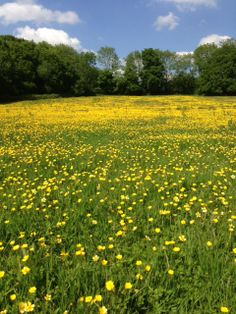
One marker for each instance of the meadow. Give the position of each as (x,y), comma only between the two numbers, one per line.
(118,205)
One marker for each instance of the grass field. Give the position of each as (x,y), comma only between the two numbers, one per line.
(118,205)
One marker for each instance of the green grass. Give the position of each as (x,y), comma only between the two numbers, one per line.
(68,186)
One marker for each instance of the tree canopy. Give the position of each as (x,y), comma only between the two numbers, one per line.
(30,68)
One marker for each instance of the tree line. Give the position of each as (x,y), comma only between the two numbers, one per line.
(29,68)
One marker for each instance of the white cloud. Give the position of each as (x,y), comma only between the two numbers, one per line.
(50,35)
(190,4)
(30,11)
(213,39)
(170,21)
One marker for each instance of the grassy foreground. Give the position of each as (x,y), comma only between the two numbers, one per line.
(118,205)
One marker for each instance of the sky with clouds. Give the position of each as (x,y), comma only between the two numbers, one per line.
(126,25)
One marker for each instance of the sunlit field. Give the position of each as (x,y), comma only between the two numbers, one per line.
(119,205)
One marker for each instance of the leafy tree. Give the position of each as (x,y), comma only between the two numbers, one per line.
(132,73)
(6,66)
(180,72)
(50,70)
(203,54)
(26,67)
(68,58)
(184,78)
(217,69)
(183,83)
(168,58)
(153,73)
(105,82)
(120,85)
(108,59)
(87,74)
(18,62)
(63,70)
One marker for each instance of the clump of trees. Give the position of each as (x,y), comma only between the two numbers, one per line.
(30,68)
(216,68)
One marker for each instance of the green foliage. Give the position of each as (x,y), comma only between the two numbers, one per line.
(87,74)
(105,82)
(28,68)
(133,72)
(183,83)
(108,59)
(18,62)
(50,70)
(217,69)
(153,73)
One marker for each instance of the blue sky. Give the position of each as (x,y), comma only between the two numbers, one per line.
(126,25)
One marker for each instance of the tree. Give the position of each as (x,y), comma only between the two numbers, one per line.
(202,55)
(18,62)
(153,73)
(50,70)
(108,59)
(180,72)
(68,58)
(217,69)
(87,74)
(27,67)
(132,73)
(184,78)
(105,82)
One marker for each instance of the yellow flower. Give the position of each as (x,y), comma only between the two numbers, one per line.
(171,272)
(26,307)
(16,247)
(88,299)
(176,249)
(25,258)
(128,285)
(2,274)
(104,262)
(22,307)
(110,285)
(157,230)
(101,248)
(48,297)
(119,233)
(102,310)
(29,307)
(119,257)
(148,268)
(182,238)
(13,297)
(234,250)
(139,277)
(169,242)
(209,243)
(138,263)
(32,290)
(25,270)
(224,309)
(95,258)
(98,298)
